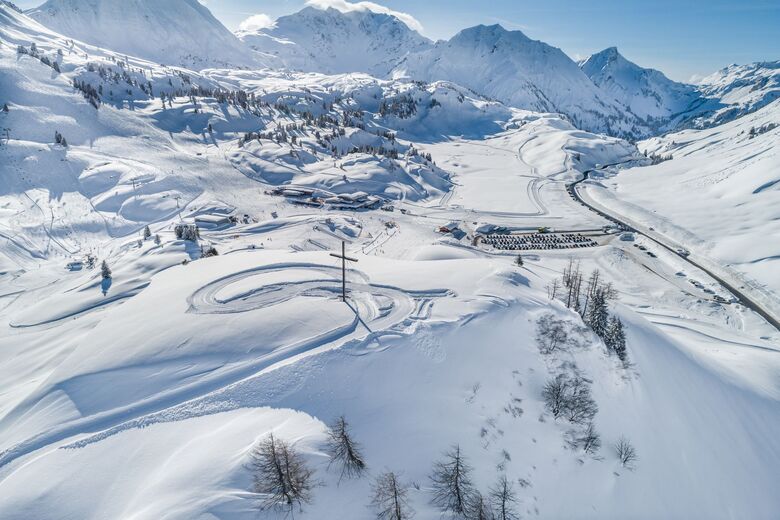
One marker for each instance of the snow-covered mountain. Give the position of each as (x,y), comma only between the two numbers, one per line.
(214,198)
(737,90)
(647,93)
(173,32)
(331,41)
(525,73)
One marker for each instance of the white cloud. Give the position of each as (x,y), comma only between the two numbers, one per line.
(345,7)
(255,22)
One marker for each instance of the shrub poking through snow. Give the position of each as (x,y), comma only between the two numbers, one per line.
(626,452)
(389,498)
(569,397)
(589,440)
(551,334)
(344,451)
(451,479)
(280,476)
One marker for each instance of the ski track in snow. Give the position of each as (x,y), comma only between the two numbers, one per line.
(379,310)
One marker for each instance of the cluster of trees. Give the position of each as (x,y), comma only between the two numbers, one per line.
(657,159)
(590,298)
(570,397)
(59,139)
(284,134)
(402,106)
(148,235)
(89,92)
(455,493)
(284,482)
(187,232)
(35,53)
(753,132)
(208,252)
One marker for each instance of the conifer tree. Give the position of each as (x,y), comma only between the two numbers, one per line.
(617,338)
(598,314)
(105,270)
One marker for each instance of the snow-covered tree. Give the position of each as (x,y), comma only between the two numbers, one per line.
(147,232)
(598,314)
(616,338)
(105,270)
(389,498)
(5,107)
(187,232)
(519,261)
(208,252)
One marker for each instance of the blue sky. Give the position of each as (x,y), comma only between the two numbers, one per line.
(682,38)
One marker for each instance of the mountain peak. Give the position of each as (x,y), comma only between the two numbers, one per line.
(488,34)
(176,32)
(333,41)
(646,92)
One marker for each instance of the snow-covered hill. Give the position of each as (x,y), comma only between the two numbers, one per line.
(331,41)
(173,32)
(645,92)
(512,68)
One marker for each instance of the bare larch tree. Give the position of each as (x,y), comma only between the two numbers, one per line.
(280,475)
(389,498)
(344,450)
(452,486)
(504,500)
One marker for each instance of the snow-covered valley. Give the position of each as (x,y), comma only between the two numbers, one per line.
(169,295)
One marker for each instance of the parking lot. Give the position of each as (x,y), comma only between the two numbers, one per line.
(538,241)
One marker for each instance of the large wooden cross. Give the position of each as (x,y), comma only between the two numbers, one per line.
(344,259)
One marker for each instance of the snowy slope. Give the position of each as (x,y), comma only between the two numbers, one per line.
(719,195)
(512,68)
(332,42)
(173,32)
(141,396)
(645,92)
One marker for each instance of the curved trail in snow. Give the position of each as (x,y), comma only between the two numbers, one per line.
(382,308)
